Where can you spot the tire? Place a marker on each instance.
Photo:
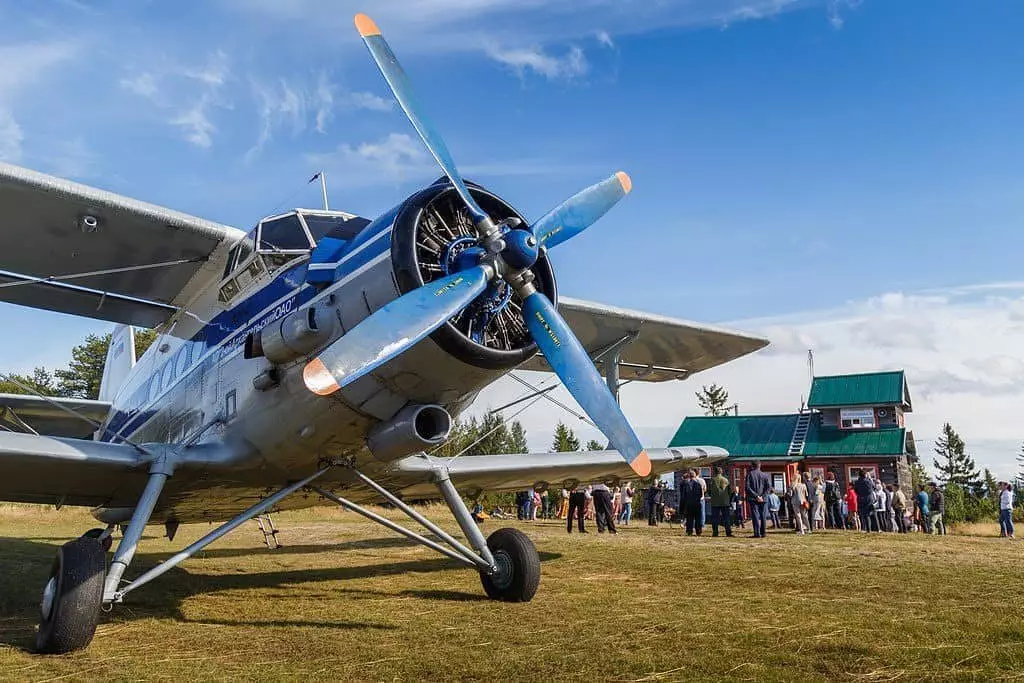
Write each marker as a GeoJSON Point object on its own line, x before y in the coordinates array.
{"type": "Point", "coordinates": [520, 567]}
{"type": "Point", "coordinates": [75, 591]}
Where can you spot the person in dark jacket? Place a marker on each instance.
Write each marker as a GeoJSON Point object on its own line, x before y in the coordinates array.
{"type": "Point", "coordinates": [691, 495]}
{"type": "Point", "coordinates": [757, 485]}
{"type": "Point", "coordinates": [603, 508]}
{"type": "Point", "coordinates": [833, 502]}
{"type": "Point", "coordinates": [720, 497]}
{"type": "Point", "coordinates": [865, 491]}
{"type": "Point", "coordinates": [577, 505]}
{"type": "Point", "coordinates": [937, 504]}
{"type": "Point", "coordinates": [652, 499]}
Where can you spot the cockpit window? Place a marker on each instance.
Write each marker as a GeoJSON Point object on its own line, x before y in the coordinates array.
{"type": "Point", "coordinates": [335, 226]}
{"type": "Point", "coordinates": [239, 253]}
{"type": "Point", "coordinates": [283, 233]}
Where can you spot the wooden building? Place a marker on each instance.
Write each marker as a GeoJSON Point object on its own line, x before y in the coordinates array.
{"type": "Point", "coordinates": [850, 422]}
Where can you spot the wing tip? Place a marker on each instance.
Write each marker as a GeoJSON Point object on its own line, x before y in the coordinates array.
{"type": "Point", "coordinates": [319, 379]}
{"type": "Point", "coordinates": [366, 26]}
{"type": "Point", "coordinates": [625, 181]}
{"type": "Point", "coordinates": [641, 464]}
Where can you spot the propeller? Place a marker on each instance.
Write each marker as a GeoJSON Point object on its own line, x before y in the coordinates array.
{"type": "Point", "coordinates": [504, 252]}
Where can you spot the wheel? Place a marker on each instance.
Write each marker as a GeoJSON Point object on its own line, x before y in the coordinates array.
{"type": "Point", "coordinates": [72, 596]}
{"type": "Point", "coordinates": [106, 541]}
{"type": "Point", "coordinates": [518, 563]}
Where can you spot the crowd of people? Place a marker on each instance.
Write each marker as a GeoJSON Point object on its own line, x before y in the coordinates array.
{"type": "Point", "coordinates": [811, 503]}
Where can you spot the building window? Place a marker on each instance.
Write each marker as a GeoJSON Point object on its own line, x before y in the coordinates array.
{"type": "Point", "coordinates": [229, 405]}
{"type": "Point", "coordinates": [869, 470]}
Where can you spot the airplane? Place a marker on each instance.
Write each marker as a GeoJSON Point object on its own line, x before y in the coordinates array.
{"type": "Point", "coordinates": [320, 354]}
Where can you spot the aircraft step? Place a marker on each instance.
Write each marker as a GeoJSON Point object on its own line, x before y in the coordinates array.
{"type": "Point", "coordinates": [268, 530]}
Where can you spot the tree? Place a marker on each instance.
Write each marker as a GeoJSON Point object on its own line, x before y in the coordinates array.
{"type": "Point", "coordinates": [918, 474]}
{"type": "Point", "coordinates": [39, 382]}
{"type": "Point", "coordinates": [594, 445]}
{"type": "Point", "coordinates": [517, 439]}
{"type": "Point", "coordinates": [990, 487]}
{"type": "Point", "coordinates": [956, 508]}
{"type": "Point", "coordinates": [565, 440]}
{"type": "Point", "coordinates": [953, 464]}
{"type": "Point", "coordinates": [713, 400]}
{"type": "Point", "coordinates": [84, 373]}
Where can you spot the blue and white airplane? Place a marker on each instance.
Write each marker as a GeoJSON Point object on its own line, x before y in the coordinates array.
{"type": "Point", "coordinates": [321, 352]}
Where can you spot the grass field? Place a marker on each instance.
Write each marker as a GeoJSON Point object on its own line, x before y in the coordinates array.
{"type": "Point", "coordinates": [343, 600]}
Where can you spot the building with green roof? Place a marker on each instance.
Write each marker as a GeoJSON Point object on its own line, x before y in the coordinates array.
{"type": "Point", "coordinates": [851, 422]}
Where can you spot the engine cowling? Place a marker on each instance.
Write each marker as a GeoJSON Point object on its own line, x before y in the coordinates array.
{"type": "Point", "coordinates": [432, 231]}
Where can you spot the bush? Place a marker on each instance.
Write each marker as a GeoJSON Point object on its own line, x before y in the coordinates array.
{"type": "Point", "coordinates": [955, 505]}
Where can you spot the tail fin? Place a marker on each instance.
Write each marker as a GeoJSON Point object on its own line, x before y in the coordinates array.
{"type": "Point", "coordinates": [120, 361]}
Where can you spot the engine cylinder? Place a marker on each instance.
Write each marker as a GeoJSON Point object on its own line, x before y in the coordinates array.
{"type": "Point", "coordinates": [412, 430]}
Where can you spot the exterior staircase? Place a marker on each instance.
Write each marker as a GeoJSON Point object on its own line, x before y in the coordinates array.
{"type": "Point", "coordinates": [803, 424]}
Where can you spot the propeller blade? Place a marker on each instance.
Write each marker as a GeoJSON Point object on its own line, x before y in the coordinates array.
{"type": "Point", "coordinates": [397, 79]}
{"type": "Point", "coordinates": [579, 212]}
{"type": "Point", "coordinates": [392, 329]}
{"type": "Point", "coordinates": [570, 361]}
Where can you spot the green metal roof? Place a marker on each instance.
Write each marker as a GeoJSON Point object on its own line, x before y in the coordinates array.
{"type": "Point", "coordinates": [769, 436]}
{"type": "Point", "coordinates": [752, 436]}
{"type": "Point", "coordinates": [869, 389]}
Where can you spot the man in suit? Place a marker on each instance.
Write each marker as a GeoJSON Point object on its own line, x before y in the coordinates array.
{"type": "Point", "coordinates": [691, 497]}
{"type": "Point", "coordinates": [602, 498]}
{"type": "Point", "coordinates": [757, 485]}
{"type": "Point", "coordinates": [652, 499]}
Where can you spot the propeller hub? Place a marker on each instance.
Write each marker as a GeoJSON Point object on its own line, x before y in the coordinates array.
{"type": "Point", "coordinates": [521, 249]}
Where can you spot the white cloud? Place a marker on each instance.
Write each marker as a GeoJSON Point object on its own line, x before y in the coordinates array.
{"type": "Point", "coordinates": [605, 39]}
{"type": "Point", "coordinates": [25, 66]}
{"type": "Point", "coordinates": [522, 60]}
{"type": "Point", "coordinates": [960, 349]}
{"type": "Point", "coordinates": [398, 157]}
{"type": "Point", "coordinates": [196, 124]}
{"type": "Point", "coordinates": [143, 85]}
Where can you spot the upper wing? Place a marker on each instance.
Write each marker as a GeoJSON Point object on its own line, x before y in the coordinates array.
{"type": "Point", "coordinates": [45, 416]}
{"type": "Point", "coordinates": [45, 225]}
{"type": "Point", "coordinates": [664, 348]}
{"type": "Point", "coordinates": [488, 473]}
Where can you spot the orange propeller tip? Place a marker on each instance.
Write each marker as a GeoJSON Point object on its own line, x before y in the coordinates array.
{"type": "Point", "coordinates": [319, 379]}
{"type": "Point", "coordinates": [366, 26]}
{"type": "Point", "coordinates": [641, 464]}
{"type": "Point", "coordinates": [627, 182]}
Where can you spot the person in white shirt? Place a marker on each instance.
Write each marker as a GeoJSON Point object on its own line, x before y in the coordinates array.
{"type": "Point", "coordinates": [627, 503]}
{"type": "Point", "coordinates": [1005, 510]}
{"type": "Point", "coordinates": [704, 495]}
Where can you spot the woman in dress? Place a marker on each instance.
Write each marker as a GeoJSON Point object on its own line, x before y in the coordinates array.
{"type": "Point", "coordinates": [798, 498]}
{"type": "Point", "coordinates": [819, 505]}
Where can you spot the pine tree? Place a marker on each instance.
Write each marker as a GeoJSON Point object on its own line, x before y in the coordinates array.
{"type": "Point", "coordinates": [594, 445]}
{"type": "Point", "coordinates": [39, 382]}
{"type": "Point", "coordinates": [713, 400]}
{"type": "Point", "coordinates": [517, 439]}
{"type": "Point", "coordinates": [953, 464]}
{"type": "Point", "coordinates": [918, 474]}
{"type": "Point", "coordinates": [565, 440]}
{"type": "Point", "coordinates": [84, 373]}
{"type": "Point", "coordinates": [990, 487]}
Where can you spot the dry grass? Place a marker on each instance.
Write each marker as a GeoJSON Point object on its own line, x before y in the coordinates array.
{"type": "Point", "coordinates": [345, 601]}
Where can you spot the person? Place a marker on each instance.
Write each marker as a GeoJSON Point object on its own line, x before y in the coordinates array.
{"type": "Point", "coordinates": [662, 502]}
{"type": "Point", "coordinates": [812, 499]}
{"type": "Point", "coordinates": [577, 503]}
{"type": "Point", "coordinates": [819, 505]}
{"type": "Point", "coordinates": [478, 513]}
{"type": "Point", "coordinates": [833, 502]}
{"type": "Point", "coordinates": [774, 505]}
{"type": "Point", "coordinates": [616, 503]}
{"type": "Point", "coordinates": [704, 494]}
{"type": "Point", "coordinates": [719, 496]}
{"type": "Point", "coordinates": [1006, 510]}
{"type": "Point", "coordinates": [652, 497]}
{"type": "Point", "coordinates": [757, 485]}
{"type": "Point", "coordinates": [627, 502]}
{"type": "Point", "coordinates": [879, 505]}
{"type": "Point", "coordinates": [736, 504]}
{"type": "Point", "coordinates": [588, 506]}
{"type": "Point", "coordinates": [602, 501]}
{"type": "Point", "coordinates": [899, 508]}
{"type": "Point", "coordinates": [691, 495]}
{"type": "Point", "coordinates": [563, 505]}
{"type": "Point", "coordinates": [798, 498]}
{"type": "Point", "coordinates": [890, 510]}
{"type": "Point", "coordinates": [937, 503]}
{"type": "Point", "coordinates": [535, 509]}
{"type": "Point", "coordinates": [923, 509]}
{"type": "Point", "coordinates": [865, 501]}
{"type": "Point", "coordinates": [528, 504]}
{"type": "Point", "coordinates": [851, 508]}
{"type": "Point", "coordinates": [545, 505]}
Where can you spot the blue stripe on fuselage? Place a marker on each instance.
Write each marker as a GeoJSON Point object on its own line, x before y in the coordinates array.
{"type": "Point", "coordinates": [254, 313]}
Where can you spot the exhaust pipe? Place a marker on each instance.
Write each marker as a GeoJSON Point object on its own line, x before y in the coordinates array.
{"type": "Point", "coordinates": [293, 336]}
{"type": "Point", "coordinates": [413, 429]}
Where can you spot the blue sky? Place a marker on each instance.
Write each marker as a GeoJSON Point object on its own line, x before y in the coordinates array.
{"type": "Point", "coordinates": [788, 156]}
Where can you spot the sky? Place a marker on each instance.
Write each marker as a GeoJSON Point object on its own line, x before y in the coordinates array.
{"type": "Point", "coordinates": [837, 175]}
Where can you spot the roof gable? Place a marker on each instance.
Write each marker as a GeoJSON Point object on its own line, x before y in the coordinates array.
{"type": "Point", "coordinates": [866, 389]}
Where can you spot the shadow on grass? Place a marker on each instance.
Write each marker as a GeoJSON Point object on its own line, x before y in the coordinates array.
{"type": "Point", "coordinates": [25, 565]}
